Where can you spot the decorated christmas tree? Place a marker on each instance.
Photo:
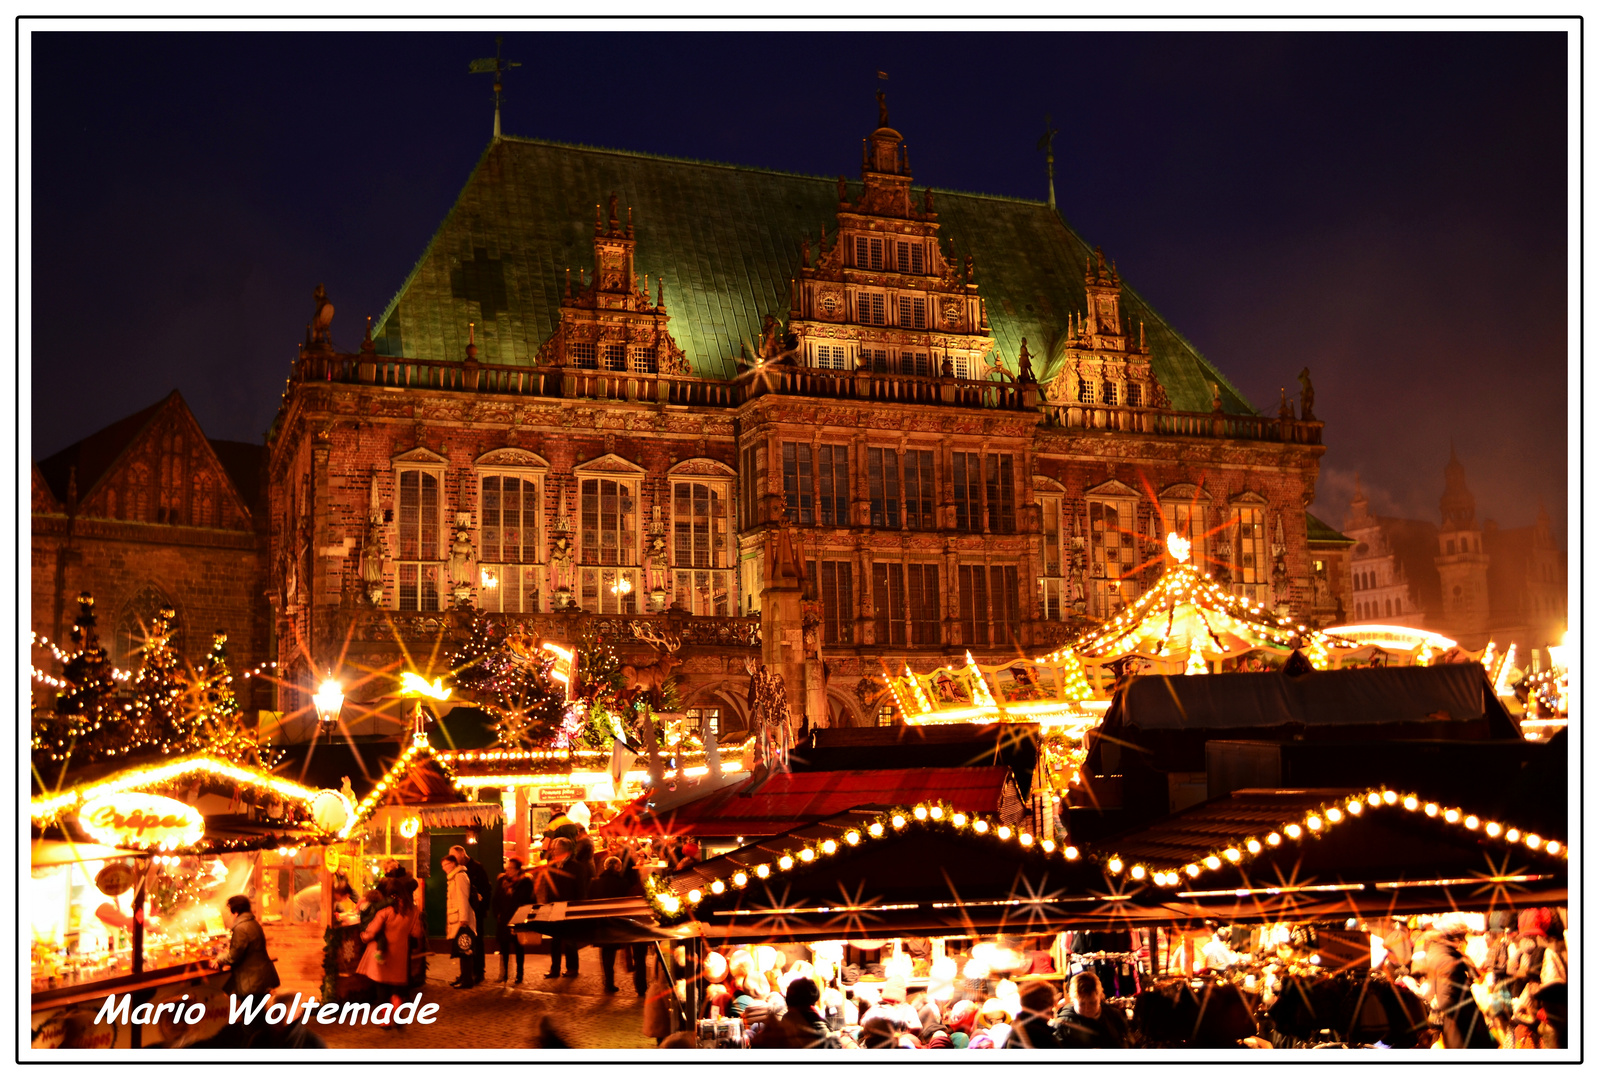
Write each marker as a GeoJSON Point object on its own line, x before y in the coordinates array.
{"type": "Point", "coordinates": [219, 726]}
{"type": "Point", "coordinates": [86, 711]}
{"type": "Point", "coordinates": [513, 685]}
{"type": "Point", "coordinates": [159, 719]}
{"type": "Point", "coordinates": [610, 708]}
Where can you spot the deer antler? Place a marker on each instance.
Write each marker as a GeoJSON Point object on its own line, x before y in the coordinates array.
{"type": "Point", "coordinates": [668, 643]}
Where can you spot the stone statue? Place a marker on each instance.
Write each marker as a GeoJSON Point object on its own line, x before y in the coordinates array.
{"type": "Point", "coordinates": [461, 555]}
{"type": "Point", "coordinates": [1307, 396]}
{"type": "Point", "coordinates": [805, 253]}
{"type": "Point", "coordinates": [769, 341]}
{"type": "Point", "coordinates": [1024, 365]}
{"type": "Point", "coordinates": [843, 190]}
{"type": "Point", "coordinates": [882, 108]}
{"type": "Point", "coordinates": [1215, 397]}
{"type": "Point", "coordinates": [322, 319]}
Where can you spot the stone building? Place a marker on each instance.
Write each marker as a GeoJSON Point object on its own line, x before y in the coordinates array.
{"type": "Point", "coordinates": [839, 426]}
{"type": "Point", "coordinates": [1470, 582]}
{"type": "Point", "coordinates": [150, 512]}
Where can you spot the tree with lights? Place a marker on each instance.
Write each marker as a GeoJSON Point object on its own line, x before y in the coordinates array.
{"type": "Point", "coordinates": [218, 724]}
{"type": "Point", "coordinates": [610, 709]}
{"type": "Point", "coordinates": [527, 705]}
{"type": "Point", "coordinates": [158, 719]}
{"type": "Point", "coordinates": [86, 712]}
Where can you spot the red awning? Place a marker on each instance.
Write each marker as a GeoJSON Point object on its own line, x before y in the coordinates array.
{"type": "Point", "coordinates": [784, 801]}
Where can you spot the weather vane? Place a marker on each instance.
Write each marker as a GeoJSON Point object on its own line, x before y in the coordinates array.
{"type": "Point", "coordinates": [497, 66]}
{"type": "Point", "coordinates": [1046, 143]}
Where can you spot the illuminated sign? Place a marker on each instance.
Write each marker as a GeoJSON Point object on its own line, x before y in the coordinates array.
{"type": "Point", "coordinates": [135, 819]}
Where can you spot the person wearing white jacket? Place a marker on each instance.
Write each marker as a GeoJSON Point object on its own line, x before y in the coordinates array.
{"type": "Point", "coordinates": [460, 921]}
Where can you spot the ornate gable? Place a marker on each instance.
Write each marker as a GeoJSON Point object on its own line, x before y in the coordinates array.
{"type": "Point", "coordinates": [1101, 365]}
{"type": "Point", "coordinates": [420, 455]}
{"type": "Point", "coordinates": [510, 457]}
{"type": "Point", "coordinates": [701, 467]}
{"type": "Point", "coordinates": [1113, 489]}
{"type": "Point", "coordinates": [44, 500]}
{"type": "Point", "coordinates": [609, 324]}
{"type": "Point", "coordinates": [168, 474]}
{"type": "Point", "coordinates": [610, 463]}
{"type": "Point", "coordinates": [1185, 493]}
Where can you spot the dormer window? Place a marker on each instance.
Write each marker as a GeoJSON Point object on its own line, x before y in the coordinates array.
{"type": "Point", "coordinates": [615, 357]}
{"type": "Point", "coordinates": [868, 253]}
{"type": "Point", "coordinates": [583, 354]}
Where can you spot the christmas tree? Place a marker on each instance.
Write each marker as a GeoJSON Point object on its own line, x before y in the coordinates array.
{"type": "Point", "coordinates": [158, 719]}
{"type": "Point", "coordinates": [610, 708]}
{"type": "Point", "coordinates": [86, 712]}
{"type": "Point", "coordinates": [511, 686]}
{"type": "Point", "coordinates": [219, 725]}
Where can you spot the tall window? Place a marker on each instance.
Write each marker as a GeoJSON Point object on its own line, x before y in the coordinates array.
{"type": "Point", "coordinates": [909, 257]}
{"type": "Point", "coordinates": [974, 604]}
{"type": "Point", "coordinates": [919, 490]}
{"type": "Point", "coordinates": [1187, 519]}
{"type": "Point", "coordinates": [838, 603]}
{"type": "Point", "coordinates": [419, 567]}
{"type": "Point", "coordinates": [1001, 494]}
{"type": "Point", "coordinates": [1109, 395]}
{"type": "Point", "coordinates": [1250, 575]}
{"type": "Point", "coordinates": [644, 361]}
{"type": "Point", "coordinates": [888, 602]}
{"type": "Point", "coordinates": [1005, 611]}
{"type": "Point", "coordinates": [1053, 598]}
{"type": "Point", "coordinates": [797, 496]}
{"type": "Point", "coordinates": [832, 469]}
{"type": "Point", "coordinates": [922, 593]}
{"type": "Point", "coordinates": [711, 719]}
{"type": "Point", "coordinates": [1085, 392]}
{"type": "Point", "coordinates": [1135, 394]}
{"type": "Point", "coordinates": [615, 357]}
{"type": "Point", "coordinates": [607, 545]}
{"type": "Point", "coordinates": [702, 582]}
{"type": "Point", "coordinates": [1112, 554]}
{"type": "Point", "coordinates": [508, 545]}
{"type": "Point", "coordinates": [873, 308]}
{"type": "Point", "coordinates": [882, 479]}
{"type": "Point", "coordinates": [830, 356]}
{"type": "Point", "coordinates": [962, 366]}
{"type": "Point", "coordinates": [875, 359]}
{"type": "Point", "coordinates": [752, 484]}
{"type": "Point", "coordinates": [869, 253]}
{"type": "Point", "coordinates": [967, 473]}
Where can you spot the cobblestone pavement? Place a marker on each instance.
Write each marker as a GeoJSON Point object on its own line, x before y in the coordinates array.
{"type": "Point", "coordinates": [498, 1015]}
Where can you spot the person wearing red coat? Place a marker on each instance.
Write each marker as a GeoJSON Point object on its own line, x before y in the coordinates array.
{"type": "Point", "coordinates": [387, 960]}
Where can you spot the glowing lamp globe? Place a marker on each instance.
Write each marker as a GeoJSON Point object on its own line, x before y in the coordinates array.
{"type": "Point", "coordinates": [1178, 547]}
{"type": "Point", "coordinates": [328, 699]}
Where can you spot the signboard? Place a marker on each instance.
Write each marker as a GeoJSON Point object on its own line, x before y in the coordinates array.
{"type": "Point", "coordinates": [565, 794]}
{"type": "Point", "coordinates": [135, 819]}
{"type": "Point", "coordinates": [114, 879]}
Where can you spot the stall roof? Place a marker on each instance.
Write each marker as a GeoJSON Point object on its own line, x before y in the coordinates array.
{"type": "Point", "coordinates": [776, 802]}
{"type": "Point", "coordinates": [1360, 696]}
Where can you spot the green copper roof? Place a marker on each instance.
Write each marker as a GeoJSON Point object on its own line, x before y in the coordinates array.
{"type": "Point", "coordinates": [727, 241]}
{"type": "Point", "coordinates": [1318, 531]}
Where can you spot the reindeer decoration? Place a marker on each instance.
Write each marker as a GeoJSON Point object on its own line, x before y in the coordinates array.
{"type": "Point", "coordinates": [770, 713]}
{"type": "Point", "coordinates": [652, 677]}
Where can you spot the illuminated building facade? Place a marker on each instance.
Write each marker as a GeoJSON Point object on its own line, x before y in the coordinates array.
{"type": "Point", "coordinates": [836, 426]}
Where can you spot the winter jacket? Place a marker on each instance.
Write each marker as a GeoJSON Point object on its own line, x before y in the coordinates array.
{"type": "Point", "coordinates": [509, 895]}
{"type": "Point", "coordinates": [1463, 1023]}
{"type": "Point", "coordinates": [253, 971]}
{"type": "Point", "coordinates": [1107, 1031]}
{"type": "Point", "coordinates": [801, 1028]}
{"type": "Point", "coordinates": [390, 933]}
{"type": "Point", "coordinates": [458, 904]}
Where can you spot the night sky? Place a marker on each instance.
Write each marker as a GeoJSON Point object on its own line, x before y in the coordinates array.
{"type": "Point", "coordinates": [1388, 208]}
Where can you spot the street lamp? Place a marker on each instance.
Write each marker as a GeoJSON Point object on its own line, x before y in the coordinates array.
{"type": "Point", "coordinates": [328, 699]}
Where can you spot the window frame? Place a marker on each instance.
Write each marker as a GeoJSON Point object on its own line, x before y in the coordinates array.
{"type": "Point", "coordinates": [424, 463]}
{"type": "Point", "coordinates": [721, 569]}
{"type": "Point", "coordinates": [1110, 592]}
{"type": "Point", "coordinates": [602, 576]}
{"type": "Point", "coordinates": [538, 475]}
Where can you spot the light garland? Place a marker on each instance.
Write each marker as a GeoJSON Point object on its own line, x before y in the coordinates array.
{"type": "Point", "coordinates": [415, 749]}
{"type": "Point", "coordinates": [48, 808]}
{"type": "Point", "coordinates": [1316, 822]}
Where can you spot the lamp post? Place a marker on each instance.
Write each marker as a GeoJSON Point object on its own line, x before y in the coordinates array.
{"type": "Point", "coordinates": [328, 699]}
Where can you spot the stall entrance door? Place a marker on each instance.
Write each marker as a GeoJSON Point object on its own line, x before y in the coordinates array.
{"type": "Point", "coordinates": [489, 850]}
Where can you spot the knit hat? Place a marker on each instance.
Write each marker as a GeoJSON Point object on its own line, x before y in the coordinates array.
{"type": "Point", "coordinates": [941, 1040]}
{"type": "Point", "coordinates": [959, 1040]}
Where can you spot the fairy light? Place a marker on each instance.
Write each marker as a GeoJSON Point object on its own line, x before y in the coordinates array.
{"type": "Point", "coordinates": [1003, 832]}
{"type": "Point", "coordinates": [718, 887]}
{"type": "Point", "coordinates": [1292, 830]}
{"type": "Point", "coordinates": [740, 879]}
{"type": "Point", "coordinates": [980, 826]}
{"type": "Point", "coordinates": [829, 846]}
{"type": "Point", "coordinates": [1451, 815]}
{"type": "Point", "coordinates": [875, 828]}
{"type": "Point", "coordinates": [1334, 815]}
{"type": "Point", "coordinates": [1431, 809]}
{"type": "Point", "coordinates": [785, 862]}
{"type": "Point", "coordinates": [763, 871]}
{"type": "Point", "coordinates": [899, 821]}
{"type": "Point", "coordinates": [1253, 846]}
{"type": "Point", "coordinates": [1114, 865]}
{"type": "Point", "coordinates": [1071, 852]}
{"type": "Point", "coordinates": [852, 837]}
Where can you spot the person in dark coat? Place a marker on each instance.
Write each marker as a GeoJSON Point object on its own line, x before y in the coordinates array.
{"type": "Point", "coordinates": [482, 891]}
{"type": "Point", "coordinates": [1033, 1029]}
{"type": "Point", "coordinates": [1464, 1026]}
{"type": "Point", "coordinates": [253, 971]}
{"type": "Point", "coordinates": [557, 882]}
{"type": "Point", "coordinates": [512, 890]}
{"type": "Point", "coordinates": [1087, 1023]}
{"type": "Point", "coordinates": [801, 1026]}
{"type": "Point", "coordinates": [611, 883]}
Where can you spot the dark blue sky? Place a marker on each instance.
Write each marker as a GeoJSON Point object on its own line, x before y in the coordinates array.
{"type": "Point", "coordinates": [1390, 209]}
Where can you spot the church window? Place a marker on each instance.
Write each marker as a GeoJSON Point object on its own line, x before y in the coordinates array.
{"type": "Point", "coordinates": [419, 568]}
{"type": "Point", "coordinates": [1135, 394]}
{"type": "Point", "coordinates": [919, 489]}
{"type": "Point", "coordinates": [1449, 547]}
{"type": "Point", "coordinates": [838, 602]}
{"type": "Point", "coordinates": [967, 473]}
{"type": "Point", "coordinates": [1111, 555]}
{"type": "Point", "coordinates": [1108, 393]}
{"type": "Point", "coordinates": [615, 357]}
{"type": "Point", "coordinates": [1001, 485]}
{"type": "Point", "coordinates": [508, 516]}
{"type": "Point", "coordinates": [797, 494]}
{"type": "Point", "coordinates": [710, 718]}
{"type": "Point", "coordinates": [583, 354]}
{"type": "Point", "coordinates": [882, 479]}
{"type": "Point", "coordinates": [832, 474]}
{"type": "Point", "coordinates": [702, 580]}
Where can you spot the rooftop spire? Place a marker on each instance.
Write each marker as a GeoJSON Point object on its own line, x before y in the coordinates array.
{"type": "Point", "coordinates": [1458, 505]}
{"type": "Point", "coordinates": [493, 65]}
{"type": "Point", "coordinates": [1046, 143]}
